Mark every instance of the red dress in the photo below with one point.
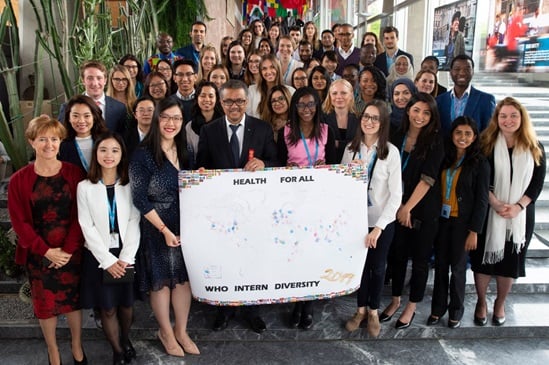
(43, 214)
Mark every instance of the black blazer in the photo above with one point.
(472, 193)
(214, 150)
(131, 139)
(341, 141)
(68, 153)
(381, 60)
(115, 115)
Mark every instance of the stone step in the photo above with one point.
(527, 315)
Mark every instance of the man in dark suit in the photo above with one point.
(464, 99)
(236, 141)
(390, 41)
(94, 78)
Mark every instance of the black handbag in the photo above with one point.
(126, 279)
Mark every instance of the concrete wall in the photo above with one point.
(227, 18)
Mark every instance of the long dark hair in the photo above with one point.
(197, 119)
(326, 75)
(295, 128)
(379, 79)
(99, 125)
(382, 134)
(131, 57)
(152, 140)
(472, 153)
(428, 133)
(94, 175)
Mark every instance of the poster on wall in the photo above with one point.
(518, 37)
(453, 31)
(273, 236)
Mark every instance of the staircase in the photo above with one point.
(527, 310)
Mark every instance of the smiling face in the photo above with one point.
(94, 81)
(258, 28)
(81, 120)
(300, 79)
(236, 55)
(264, 47)
(268, 71)
(340, 96)
(401, 65)
(234, 112)
(46, 145)
(132, 67)
(253, 63)
(462, 73)
(306, 109)
(157, 88)
(246, 38)
(218, 77)
(208, 61)
(462, 137)
(419, 115)
(279, 103)
(369, 39)
(285, 48)
(369, 123)
(368, 85)
(164, 43)
(329, 65)
(274, 32)
(185, 78)
(318, 80)
(206, 99)
(109, 154)
(198, 33)
(169, 122)
(165, 69)
(401, 96)
(426, 83)
(509, 120)
(327, 40)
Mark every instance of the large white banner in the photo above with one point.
(273, 236)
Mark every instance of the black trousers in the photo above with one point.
(450, 254)
(416, 243)
(371, 284)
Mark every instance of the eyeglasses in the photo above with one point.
(302, 78)
(231, 102)
(372, 118)
(131, 66)
(158, 85)
(254, 61)
(184, 74)
(145, 110)
(345, 34)
(310, 105)
(121, 80)
(162, 69)
(279, 100)
(175, 118)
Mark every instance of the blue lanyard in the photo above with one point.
(404, 162)
(82, 158)
(450, 178)
(370, 164)
(311, 162)
(112, 208)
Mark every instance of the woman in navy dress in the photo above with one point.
(160, 266)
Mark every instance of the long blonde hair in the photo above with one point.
(328, 106)
(130, 89)
(525, 137)
(207, 48)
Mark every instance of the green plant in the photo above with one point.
(186, 12)
(8, 242)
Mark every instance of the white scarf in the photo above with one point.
(500, 229)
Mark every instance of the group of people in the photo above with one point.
(97, 212)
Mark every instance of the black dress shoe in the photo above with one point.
(454, 323)
(498, 321)
(384, 317)
(295, 317)
(129, 352)
(480, 321)
(118, 359)
(306, 321)
(401, 325)
(257, 325)
(221, 321)
(432, 320)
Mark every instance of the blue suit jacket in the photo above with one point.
(480, 107)
(115, 115)
(214, 150)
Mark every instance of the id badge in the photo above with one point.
(445, 212)
(115, 242)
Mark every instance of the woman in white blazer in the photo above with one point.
(110, 223)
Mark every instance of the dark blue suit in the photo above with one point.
(115, 115)
(480, 106)
(214, 150)
(381, 60)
